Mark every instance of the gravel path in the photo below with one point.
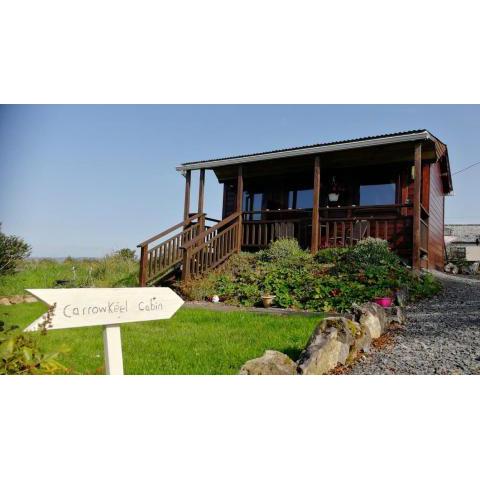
(441, 336)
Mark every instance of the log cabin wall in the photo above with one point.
(436, 209)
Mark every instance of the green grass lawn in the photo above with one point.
(192, 342)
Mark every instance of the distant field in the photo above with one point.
(192, 342)
(104, 272)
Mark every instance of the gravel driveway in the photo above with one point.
(441, 336)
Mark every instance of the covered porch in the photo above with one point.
(326, 195)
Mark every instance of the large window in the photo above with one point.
(253, 202)
(381, 194)
(300, 198)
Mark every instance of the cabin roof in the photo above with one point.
(363, 142)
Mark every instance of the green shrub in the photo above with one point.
(330, 255)
(20, 354)
(126, 254)
(299, 279)
(371, 252)
(285, 251)
(12, 250)
(423, 285)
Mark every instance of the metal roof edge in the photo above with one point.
(348, 145)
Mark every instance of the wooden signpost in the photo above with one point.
(84, 307)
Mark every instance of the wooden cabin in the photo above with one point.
(335, 194)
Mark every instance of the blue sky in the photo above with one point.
(86, 180)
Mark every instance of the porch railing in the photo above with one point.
(212, 247)
(156, 259)
(338, 226)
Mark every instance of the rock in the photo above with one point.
(271, 363)
(474, 267)
(400, 316)
(401, 296)
(362, 343)
(346, 329)
(373, 318)
(449, 267)
(29, 299)
(395, 314)
(4, 301)
(324, 351)
(16, 299)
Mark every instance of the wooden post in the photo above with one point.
(238, 206)
(143, 266)
(112, 345)
(316, 206)
(201, 196)
(186, 265)
(186, 205)
(417, 187)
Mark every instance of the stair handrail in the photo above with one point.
(201, 236)
(170, 230)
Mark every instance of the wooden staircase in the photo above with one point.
(192, 248)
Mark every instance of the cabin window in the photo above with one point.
(252, 202)
(300, 198)
(380, 194)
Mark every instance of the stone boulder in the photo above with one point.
(16, 299)
(373, 318)
(328, 346)
(362, 343)
(271, 363)
(396, 315)
(4, 301)
(29, 299)
(451, 268)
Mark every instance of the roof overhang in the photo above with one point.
(350, 145)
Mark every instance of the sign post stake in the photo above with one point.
(112, 345)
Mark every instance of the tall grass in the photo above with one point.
(110, 271)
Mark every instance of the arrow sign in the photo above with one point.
(85, 307)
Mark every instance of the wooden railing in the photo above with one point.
(159, 259)
(346, 232)
(338, 226)
(259, 233)
(197, 248)
(211, 247)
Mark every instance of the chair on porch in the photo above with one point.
(361, 230)
(344, 233)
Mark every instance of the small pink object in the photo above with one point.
(384, 302)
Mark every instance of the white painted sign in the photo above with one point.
(85, 307)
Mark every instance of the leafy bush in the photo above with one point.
(286, 251)
(126, 254)
(12, 250)
(20, 355)
(330, 255)
(370, 252)
(300, 280)
(425, 285)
